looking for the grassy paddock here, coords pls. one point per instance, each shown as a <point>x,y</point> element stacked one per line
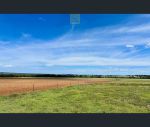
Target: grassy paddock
<point>118,96</point>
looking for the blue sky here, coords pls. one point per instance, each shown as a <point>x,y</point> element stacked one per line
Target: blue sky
<point>100,44</point>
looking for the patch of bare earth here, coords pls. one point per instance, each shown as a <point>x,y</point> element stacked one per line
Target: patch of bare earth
<point>20,85</point>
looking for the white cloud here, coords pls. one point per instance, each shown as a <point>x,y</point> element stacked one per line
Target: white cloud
<point>97,61</point>
<point>94,47</point>
<point>6,65</point>
<point>129,46</point>
<point>147,45</point>
<point>133,29</point>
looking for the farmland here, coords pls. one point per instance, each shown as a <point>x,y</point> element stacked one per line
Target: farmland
<point>76,95</point>
<point>10,86</point>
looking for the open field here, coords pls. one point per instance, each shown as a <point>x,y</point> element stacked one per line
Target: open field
<point>115,96</point>
<point>10,86</point>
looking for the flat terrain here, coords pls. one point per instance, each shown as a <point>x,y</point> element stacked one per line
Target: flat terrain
<point>114,96</point>
<point>21,85</point>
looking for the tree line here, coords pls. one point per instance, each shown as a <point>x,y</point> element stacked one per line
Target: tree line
<point>2,74</point>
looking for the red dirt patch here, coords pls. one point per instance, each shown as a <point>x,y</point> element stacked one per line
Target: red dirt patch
<point>21,85</point>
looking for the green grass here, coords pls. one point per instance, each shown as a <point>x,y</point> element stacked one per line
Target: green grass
<point>119,96</point>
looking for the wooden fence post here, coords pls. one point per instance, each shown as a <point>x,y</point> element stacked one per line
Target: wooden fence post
<point>33,87</point>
